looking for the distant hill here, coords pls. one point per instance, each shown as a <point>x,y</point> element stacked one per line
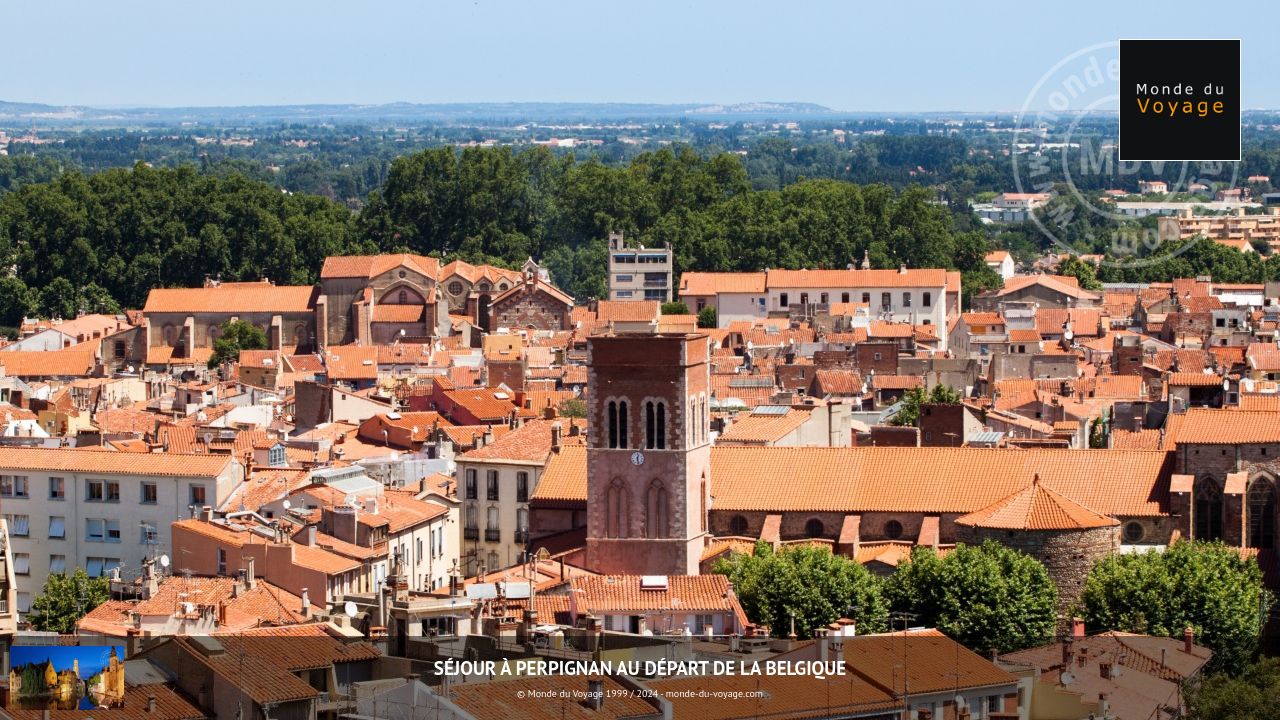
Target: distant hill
<point>17,113</point>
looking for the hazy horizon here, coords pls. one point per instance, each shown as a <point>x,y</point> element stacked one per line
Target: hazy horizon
<point>852,58</point>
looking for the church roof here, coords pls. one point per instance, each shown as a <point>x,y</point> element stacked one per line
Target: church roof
<point>1037,507</point>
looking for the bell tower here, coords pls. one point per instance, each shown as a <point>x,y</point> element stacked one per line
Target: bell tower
<point>648,452</point>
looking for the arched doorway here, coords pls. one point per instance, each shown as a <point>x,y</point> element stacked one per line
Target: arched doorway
<point>1261,512</point>
<point>482,311</point>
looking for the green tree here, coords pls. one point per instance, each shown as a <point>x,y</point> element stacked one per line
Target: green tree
<point>987,597</point>
<point>236,335</point>
<point>1252,695</point>
<point>66,598</point>
<point>809,585</point>
<point>913,399</point>
<point>1085,272</point>
<point>707,318</point>
<point>59,299</point>
<point>1208,587</point>
<point>675,308</point>
<point>16,301</point>
<point>573,408</point>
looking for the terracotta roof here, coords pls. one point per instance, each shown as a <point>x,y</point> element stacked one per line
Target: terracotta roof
<point>628,310</point>
<point>506,699</point>
<point>367,266</point>
<point>1085,322</point>
<point>530,286</point>
<point>263,487</point>
<point>170,705</point>
<point>1139,440</point>
<point>982,318</point>
<point>1259,403</point>
<point>1194,379</point>
<point>483,403</point>
<point>611,594</point>
<point>938,663</point>
<point>351,362</point>
<point>756,429</point>
<point>706,283</point>
<point>1036,507</point>
<point>896,382</point>
<point>927,278</point>
<point>1024,335</point>
<point>1065,285</point>
<point>531,442</point>
<point>997,256</point>
<point>124,420</point>
<point>837,382</point>
<point>881,329</point>
<point>465,435</point>
<point>75,361</point>
<point>1209,426</point>
<point>84,461</point>
<point>232,298</point>
<point>887,479</point>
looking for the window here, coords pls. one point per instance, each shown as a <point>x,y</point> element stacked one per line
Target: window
<point>21,564</point>
<point>624,293</point>
<point>113,491</point>
<point>783,300</point>
<point>471,485</point>
<point>617,421</point>
<point>276,455</point>
<point>906,299</point>
<point>886,300</point>
<point>1261,509</point>
<point>148,493</point>
<point>196,493</point>
<point>57,527</point>
<point>737,525</point>
<point>491,484</point>
<point>866,298</point>
<point>19,525</point>
<point>93,490</point>
<point>419,555</point>
<point>493,560</point>
<point>94,529</point>
<point>57,564</point>
<point>804,298</point>
<point>119,348</point>
<point>149,535</point>
<point>471,517</point>
<point>1208,510</point>
<point>522,487</point>
<point>222,561</point>
<point>57,488</point>
<point>893,529</point>
<point>623,278</point>
<point>822,298</point>
<point>655,425</point>
<point>927,301</point>
<point>1134,532</point>
<point>814,528</point>
<point>113,530</point>
<point>14,486</point>
<point>844,297</point>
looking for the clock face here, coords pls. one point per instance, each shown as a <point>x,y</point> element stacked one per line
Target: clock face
<point>637,458</point>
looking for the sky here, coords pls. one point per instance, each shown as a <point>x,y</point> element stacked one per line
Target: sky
<point>852,56</point>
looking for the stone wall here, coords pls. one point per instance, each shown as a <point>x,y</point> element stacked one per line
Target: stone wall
<point>1068,555</point>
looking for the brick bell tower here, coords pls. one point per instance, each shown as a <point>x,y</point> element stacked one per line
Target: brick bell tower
<point>648,452</point>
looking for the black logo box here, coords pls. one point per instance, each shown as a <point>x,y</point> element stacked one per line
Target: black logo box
<point>1189,65</point>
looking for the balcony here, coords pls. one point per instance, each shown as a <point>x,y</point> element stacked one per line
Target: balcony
<point>522,537</point>
<point>492,535</point>
<point>471,533</point>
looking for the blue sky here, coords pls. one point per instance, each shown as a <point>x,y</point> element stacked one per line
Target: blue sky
<point>855,56</point>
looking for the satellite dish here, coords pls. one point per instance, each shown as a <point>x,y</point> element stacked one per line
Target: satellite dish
<point>1068,334</point>
<point>164,561</point>
<point>286,504</point>
<point>349,608</point>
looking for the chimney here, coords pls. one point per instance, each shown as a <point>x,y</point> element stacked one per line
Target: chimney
<point>222,618</point>
<point>595,694</point>
<point>306,604</point>
<point>555,437</point>
<point>1188,639</point>
<point>1077,627</point>
<point>373,506</point>
<point>206,513</point>
<point>902,269</point>
<point>151,704</point>
<point>250,580</point>
<point>821,636</point>
<point>549,412</point>
<point>1104,707</point>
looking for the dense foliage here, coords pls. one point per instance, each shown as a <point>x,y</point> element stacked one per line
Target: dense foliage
<point>66,598</point>
<point>1206,586</point>
<point>909,413</point>
<point>806,585</point>
<point>1252,695</point>
<point>236,335</point>
<point>987,597</point>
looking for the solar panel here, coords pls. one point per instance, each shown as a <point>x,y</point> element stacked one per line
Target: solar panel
<point>516,590</point>
<point>482,591</point>
<point>771,410</point>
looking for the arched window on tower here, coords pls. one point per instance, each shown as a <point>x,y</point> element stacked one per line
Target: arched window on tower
<point>611,410</point>
<point>616,510</point>
<point>657,517</point>
<point>1262,512</point>
<point>403,296</point>
<point>655,425</point>
<point>624,439</point>
<point>1208,509</point>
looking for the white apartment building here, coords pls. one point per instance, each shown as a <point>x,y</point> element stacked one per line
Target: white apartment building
<point>639,273</point>
<point>100,510</point>
<point>495,483</point>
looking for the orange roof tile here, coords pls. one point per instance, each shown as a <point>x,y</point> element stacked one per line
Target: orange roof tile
<point>529,443</point>
<point>606,594</point>
<point>75,361</point>
<point>1065,285</point>
<point>628,310</point>
<point>763,429</point>
<point>247,297</point>
<point>83,461</point>
<point>367,266</point>
<point>1194,379</point>
<point>1209,426</point>
<point>928,277</point>
<point>706,283</point>
<point>1135,440</point>
<point>392,313</point>
<point>1036,507</point>
<point>351,362</point>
